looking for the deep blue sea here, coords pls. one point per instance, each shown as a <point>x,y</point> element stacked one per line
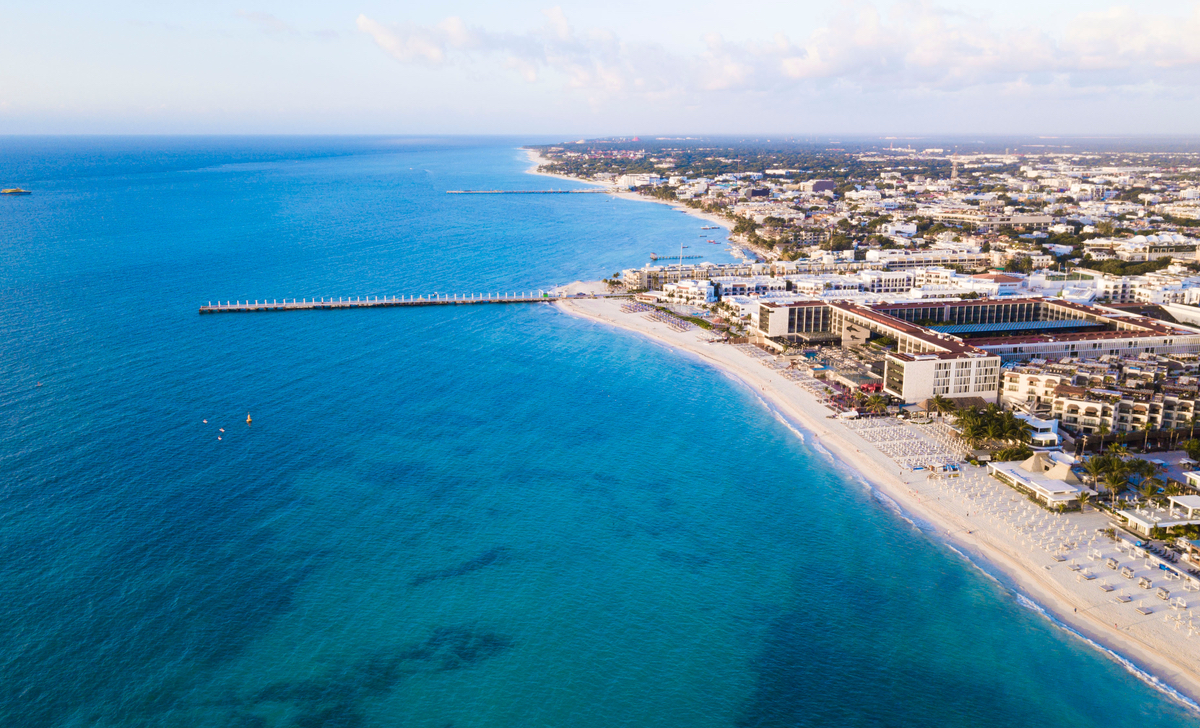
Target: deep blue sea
<point>484,516</point>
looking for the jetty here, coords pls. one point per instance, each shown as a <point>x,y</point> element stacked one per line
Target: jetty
<point>328,304</point>
<point>527,192</point>
<point>674,257</point>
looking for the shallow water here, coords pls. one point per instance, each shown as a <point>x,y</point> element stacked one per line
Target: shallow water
<point>483,516</point>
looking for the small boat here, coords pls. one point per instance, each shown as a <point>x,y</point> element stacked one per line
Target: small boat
<point>714,242</point>
<point>218,437</point>
<point>206,422</point>
<point>247,418</point>
<point>222,429</point>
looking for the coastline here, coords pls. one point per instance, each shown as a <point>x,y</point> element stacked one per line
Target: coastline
<point>538,160</point>
<point>1143,645</point>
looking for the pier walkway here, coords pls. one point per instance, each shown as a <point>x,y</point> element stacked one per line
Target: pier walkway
<point>387,302</point>
<point>527,192</point>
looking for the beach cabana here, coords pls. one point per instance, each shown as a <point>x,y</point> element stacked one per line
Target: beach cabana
<point>1183,510</point>
<point>1046,475</point>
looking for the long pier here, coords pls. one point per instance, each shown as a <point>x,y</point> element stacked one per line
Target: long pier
<point>327,304</point>
<point>526,192</point>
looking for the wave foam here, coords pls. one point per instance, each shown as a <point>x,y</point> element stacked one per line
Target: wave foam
<point>1146,677</point>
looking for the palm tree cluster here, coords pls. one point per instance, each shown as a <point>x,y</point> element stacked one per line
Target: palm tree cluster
<point>875,404</point>
<point>993,426</point>
<point>1118,471</point>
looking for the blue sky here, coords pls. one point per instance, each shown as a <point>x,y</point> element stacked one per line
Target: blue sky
<point>617,67</point>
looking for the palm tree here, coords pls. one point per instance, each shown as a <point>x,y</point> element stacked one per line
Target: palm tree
<point>1149,487</point>
<point>1120,451</point>
<point>1016,429</point>
<point>877,403</point>
<point>941,405</point>
<point>1095,467</point>
<point>1192,427</point>
<point>1116,479</point>
<point>1083,499</point>
<point>1146,443</point>
<point>1141,468</point>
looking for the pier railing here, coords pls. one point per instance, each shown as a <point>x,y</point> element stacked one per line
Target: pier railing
<point>435,299</point>
<point>528,192</point>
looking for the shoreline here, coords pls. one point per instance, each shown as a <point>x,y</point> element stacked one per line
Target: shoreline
<point>536,169</point>
<point>1146,654</point>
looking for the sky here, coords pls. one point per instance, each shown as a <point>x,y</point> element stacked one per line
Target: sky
<point>599,68</point>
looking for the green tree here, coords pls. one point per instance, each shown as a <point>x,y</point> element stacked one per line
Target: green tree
<point>941,405</point>
<point>1116,479</point>
<point>1095,467</point>
<point>1149,487</point>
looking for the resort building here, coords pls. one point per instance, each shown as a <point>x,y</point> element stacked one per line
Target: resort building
<point>909,259</point>
<point>1182,510</point>
<point>1034,384</point>
<point>1046,476</point>
<point>954,348</point>
<point>985,222</point>
<point>691,292</point>
<point>1108,394</point>
<point>1043,433</point>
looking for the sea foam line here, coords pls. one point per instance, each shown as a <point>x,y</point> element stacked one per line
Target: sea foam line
<point>1143,675</point>
<point>1131,667</point>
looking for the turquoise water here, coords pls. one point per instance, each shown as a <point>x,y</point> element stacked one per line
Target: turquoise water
<point>494,516</point>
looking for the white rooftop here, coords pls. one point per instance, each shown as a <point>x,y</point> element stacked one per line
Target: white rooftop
<point>1186,501</point>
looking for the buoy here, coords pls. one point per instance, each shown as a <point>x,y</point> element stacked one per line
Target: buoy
<point>247,418</point>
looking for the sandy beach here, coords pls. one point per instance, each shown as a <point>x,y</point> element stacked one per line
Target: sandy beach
<point>538,161</point>
<point>993,525</point>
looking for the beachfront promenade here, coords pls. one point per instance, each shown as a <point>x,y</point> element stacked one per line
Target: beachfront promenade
<point>305,304</point>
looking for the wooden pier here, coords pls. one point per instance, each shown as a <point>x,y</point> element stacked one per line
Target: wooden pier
<point>527,192</point>
<point>328,304</point>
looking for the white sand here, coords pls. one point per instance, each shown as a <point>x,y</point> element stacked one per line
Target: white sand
<point>538,161</point>
<point>1159,647</point>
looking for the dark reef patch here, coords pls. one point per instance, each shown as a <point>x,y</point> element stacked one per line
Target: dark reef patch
<point>491,557</point>
<point>335,699</point>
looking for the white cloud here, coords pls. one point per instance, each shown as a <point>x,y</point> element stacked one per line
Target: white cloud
<point>407,44</point>
<point>265,21</point>
<point>916,46</point>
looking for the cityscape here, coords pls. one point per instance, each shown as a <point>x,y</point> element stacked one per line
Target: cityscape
<point>1013,340</point>
<point>589,365</point>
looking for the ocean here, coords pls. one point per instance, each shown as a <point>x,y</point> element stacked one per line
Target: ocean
<point>467,516</point>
